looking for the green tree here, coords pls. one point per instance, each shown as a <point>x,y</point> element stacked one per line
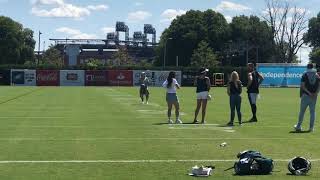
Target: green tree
<point>315,56</point>
<point>121,58</point>
<point>313,35</point>
<point>187,31</point>
<point>16,43</point>
<point>203,56</point>
<point>252,34</point>
<point>52,56</point>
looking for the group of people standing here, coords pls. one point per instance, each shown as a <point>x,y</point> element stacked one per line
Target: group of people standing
<point>310,86</point>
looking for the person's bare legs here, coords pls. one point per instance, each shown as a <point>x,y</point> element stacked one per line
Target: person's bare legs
<point>177,108</point>
<point>197,110</point>
<point>204,109</point>
<point>169,113</point>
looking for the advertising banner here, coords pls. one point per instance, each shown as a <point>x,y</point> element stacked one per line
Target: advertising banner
<point>72,78</point>
<point>150,74</point>
<point>48,78</point>
<point>23,77</point>
<point>120,78</point>
<point>281,75</point>
<point>156,77</point>
<point>30,77</point>
<point>17,77</point>
<point>5,77</point>
<point>96,78</point>
<point>188,78</point>
<point>161,76</point>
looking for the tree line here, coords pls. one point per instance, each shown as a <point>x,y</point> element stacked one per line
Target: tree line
<point>199,38</point>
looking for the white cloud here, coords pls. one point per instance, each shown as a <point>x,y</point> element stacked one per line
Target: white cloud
<point>75,33</point>
<point>228,18</point>
<point>106,30</point>
<point>47,2</point>
<point>61,9</point>
<point>68,11</point>
<point>138,4</point>
<point>98,7</point>
<point>138,16</point>
<point>230,6</point>
<point>170,14</point>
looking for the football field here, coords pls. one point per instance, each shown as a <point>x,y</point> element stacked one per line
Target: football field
<point>89,133</point>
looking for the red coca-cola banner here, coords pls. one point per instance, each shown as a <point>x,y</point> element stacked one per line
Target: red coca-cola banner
<point>120,78</point>
<point>96,78</point>
<point>48,78</point>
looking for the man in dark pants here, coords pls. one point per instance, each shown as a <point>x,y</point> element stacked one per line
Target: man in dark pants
<point>309,89</point>
<point>254,81</point>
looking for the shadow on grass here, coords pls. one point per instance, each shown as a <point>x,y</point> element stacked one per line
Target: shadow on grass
<point>299,132</point>
<point>289,174</point>
<point>187,123</point>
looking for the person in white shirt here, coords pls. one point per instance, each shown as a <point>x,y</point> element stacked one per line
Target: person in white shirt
<point>172,85</point>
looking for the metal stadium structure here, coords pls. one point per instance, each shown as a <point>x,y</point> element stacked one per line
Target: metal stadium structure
<point>78,51</point>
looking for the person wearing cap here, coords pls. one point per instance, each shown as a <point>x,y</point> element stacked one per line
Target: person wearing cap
<point>144,90</point>
<point>254,81</point>
<point>203,85</point>
<point>309,90</point>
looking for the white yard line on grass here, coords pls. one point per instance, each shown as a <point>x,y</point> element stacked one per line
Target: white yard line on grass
<point>129,161</point>
<point>31,117</point>
<point>142,139</point>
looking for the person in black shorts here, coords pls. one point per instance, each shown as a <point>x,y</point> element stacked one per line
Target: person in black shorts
<point>144,90</point>
<point>203,87</point>
<point>254,81</point>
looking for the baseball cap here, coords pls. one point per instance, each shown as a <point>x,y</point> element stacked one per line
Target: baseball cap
<point>203,70</point>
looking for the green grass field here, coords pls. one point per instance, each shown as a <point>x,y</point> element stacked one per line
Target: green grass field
<point>80,133</point>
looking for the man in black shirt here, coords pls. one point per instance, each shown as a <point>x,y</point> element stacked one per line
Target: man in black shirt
<point>309,92</point>
<point>254,81</point>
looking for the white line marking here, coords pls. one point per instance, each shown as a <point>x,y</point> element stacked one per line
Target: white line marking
<point>142,139</point>
<point>31,117</point>
<point>131,161</point>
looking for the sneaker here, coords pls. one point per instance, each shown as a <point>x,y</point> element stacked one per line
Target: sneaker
<point>253,119</point>
<point>147,102</point>
<point>230,124</point>
<point>297,129</point>
<point>178,121</point>
<point>311,130</point>
<point>240,123</point>
<point>170,121</point>
<point>203,122</point>
<point>142,102</point>
<point>195,122</point>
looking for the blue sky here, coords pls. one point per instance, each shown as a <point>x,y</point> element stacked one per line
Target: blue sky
<point>94,18</point>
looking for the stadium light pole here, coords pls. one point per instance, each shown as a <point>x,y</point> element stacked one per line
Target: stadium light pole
<point>39,43</point>
<point>165,52</point>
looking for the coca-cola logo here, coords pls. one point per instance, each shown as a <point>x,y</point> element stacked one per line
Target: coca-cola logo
<point>47,77</point>
<point>72,76</point>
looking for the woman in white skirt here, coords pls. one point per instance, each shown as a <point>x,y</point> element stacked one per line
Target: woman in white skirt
<point>171,84</point>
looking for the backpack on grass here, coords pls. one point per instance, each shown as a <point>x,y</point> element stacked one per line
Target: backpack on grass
<point>253,163</point>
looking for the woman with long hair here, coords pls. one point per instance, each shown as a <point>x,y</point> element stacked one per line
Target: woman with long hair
<point>203,87</point>
<point>171,84</point>
<point>234,92</point>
